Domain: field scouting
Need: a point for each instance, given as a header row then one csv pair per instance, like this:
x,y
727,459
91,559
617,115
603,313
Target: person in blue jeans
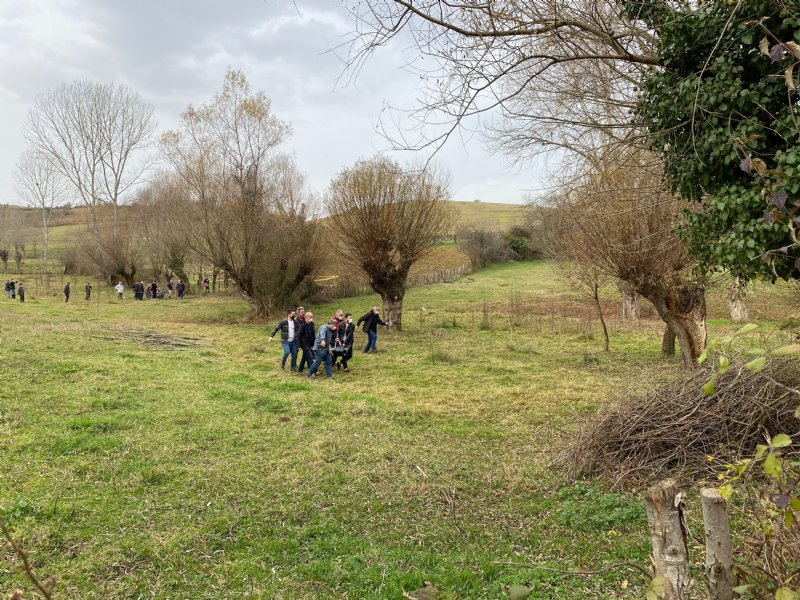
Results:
x,y
288,329
371,321
322,349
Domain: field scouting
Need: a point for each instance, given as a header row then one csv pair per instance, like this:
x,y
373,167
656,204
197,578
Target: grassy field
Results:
x,y
138,472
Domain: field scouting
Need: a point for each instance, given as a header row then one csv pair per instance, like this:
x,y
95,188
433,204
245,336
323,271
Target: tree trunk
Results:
x,y
668,342
602,320
683,309
393,310
736,297
664,508
719,551
630,301
46,246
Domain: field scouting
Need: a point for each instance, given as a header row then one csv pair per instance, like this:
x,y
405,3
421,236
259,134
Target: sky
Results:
x,y
176,52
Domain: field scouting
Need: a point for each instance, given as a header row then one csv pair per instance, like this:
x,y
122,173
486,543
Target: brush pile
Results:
x,y
679,430
153,340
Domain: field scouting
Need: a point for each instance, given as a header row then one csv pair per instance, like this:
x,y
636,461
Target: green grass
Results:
x,y
136,472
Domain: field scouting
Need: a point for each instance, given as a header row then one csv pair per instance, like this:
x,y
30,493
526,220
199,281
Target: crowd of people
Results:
x,y
15,289
152,290
331,344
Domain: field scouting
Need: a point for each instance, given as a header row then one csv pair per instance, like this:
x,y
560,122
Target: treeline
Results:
x,y
222,194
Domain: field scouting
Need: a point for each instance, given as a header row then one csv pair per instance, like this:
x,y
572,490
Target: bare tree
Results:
x,y
386,219
244,200
43,188
625,218
573,258
94,134
552,70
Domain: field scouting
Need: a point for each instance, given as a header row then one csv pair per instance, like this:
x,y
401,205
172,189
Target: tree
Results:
x,y
722,111
551,70
247,209
386,219
93,134
622,220
43,188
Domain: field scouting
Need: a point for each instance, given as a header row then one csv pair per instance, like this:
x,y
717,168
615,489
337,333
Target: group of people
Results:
x,y
15,289
152,290
332,343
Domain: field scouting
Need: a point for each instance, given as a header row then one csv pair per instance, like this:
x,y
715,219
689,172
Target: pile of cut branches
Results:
x,y
153,340
678,429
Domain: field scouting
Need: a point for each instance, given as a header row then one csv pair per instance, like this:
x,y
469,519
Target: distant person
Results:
x,y
169,288
181,289
8,288
322,349
120,288
288,328
13,287
305,340
21,292
371,321
346,338
67,290
206,285
88,289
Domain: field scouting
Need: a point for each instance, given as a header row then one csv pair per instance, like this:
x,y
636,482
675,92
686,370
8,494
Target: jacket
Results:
x,y
284,327
371,321
347,332
323,334
305,335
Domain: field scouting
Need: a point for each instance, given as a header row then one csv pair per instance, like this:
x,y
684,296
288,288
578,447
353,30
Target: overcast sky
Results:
x,y
176,52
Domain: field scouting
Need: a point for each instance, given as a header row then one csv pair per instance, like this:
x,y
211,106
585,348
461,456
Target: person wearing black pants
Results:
x,y
306,336
347,332
21,292
66,293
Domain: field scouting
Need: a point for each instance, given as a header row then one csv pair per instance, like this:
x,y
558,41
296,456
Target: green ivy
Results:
x,y
721,114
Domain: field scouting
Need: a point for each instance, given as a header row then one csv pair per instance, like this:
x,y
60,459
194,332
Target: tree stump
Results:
x,y
719,551
664,506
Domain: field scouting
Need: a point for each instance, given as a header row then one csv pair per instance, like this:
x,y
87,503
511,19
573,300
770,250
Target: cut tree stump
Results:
x,y
719,551
664,506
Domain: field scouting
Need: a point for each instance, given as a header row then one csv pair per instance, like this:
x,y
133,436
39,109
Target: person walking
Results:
x,y
347,332
288,328
13,288
181,289
88,289
67,290
322,349
21,292
169,288
120,288
305,339
371,321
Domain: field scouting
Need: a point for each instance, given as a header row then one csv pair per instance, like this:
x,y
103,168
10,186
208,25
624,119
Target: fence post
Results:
x,y
719,550
664,506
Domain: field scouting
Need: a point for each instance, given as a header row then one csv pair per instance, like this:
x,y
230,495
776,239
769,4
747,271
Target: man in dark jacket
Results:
x,y
66,293
21,292
305,339
288,329
88,289
371,321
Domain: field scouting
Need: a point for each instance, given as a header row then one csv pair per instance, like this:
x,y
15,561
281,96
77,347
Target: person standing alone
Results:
x,y
21,292
88,289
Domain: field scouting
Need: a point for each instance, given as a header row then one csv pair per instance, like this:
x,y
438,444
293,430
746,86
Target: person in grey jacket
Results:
x,y
322,349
